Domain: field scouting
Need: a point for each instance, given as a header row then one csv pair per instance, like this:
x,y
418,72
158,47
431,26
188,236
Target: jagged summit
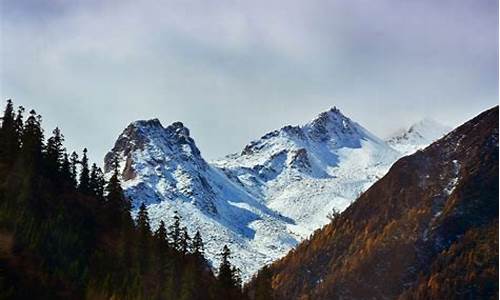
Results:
x,y
330,128
173,140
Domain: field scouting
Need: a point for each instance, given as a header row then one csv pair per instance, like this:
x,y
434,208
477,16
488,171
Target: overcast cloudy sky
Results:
x,y
233,70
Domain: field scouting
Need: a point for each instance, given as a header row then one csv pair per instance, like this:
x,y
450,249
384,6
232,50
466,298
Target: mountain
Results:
x,y
417,136
427,230
262,201
304,171
163,168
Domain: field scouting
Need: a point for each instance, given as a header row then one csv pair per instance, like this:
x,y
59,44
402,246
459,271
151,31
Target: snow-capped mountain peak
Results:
x,y
418,136
331,124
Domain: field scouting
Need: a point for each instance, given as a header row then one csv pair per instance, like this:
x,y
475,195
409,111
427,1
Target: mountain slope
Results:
x,y
428,229
263,201
327,161
418,136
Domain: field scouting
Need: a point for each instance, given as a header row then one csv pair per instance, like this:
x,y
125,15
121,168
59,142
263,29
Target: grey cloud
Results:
x,y
232,70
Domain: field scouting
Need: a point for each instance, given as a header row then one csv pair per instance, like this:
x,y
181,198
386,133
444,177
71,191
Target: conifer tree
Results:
x,y
144,238
228,278
143,220
97,182
118,205
8,137
84,184
161,232
175,232
19,124
32,141
197,245
164,262
74,168
66,167
54,152
185,241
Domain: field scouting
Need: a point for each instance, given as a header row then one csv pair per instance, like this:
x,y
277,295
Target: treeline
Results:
x,y
67,233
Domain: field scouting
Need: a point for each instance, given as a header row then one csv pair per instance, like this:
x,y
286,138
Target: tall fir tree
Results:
x,y
185,241
74,168
143,220
228,279
65,167
97,182
19,124
144,238
8,136
84,182
54,153
175,232
161,234
32,141
118,205
197,245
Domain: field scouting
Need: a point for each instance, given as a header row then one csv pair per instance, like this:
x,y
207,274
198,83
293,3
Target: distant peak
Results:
x,y
428,124
418,135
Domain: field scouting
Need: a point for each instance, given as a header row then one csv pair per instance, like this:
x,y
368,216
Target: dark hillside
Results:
x,y
426,230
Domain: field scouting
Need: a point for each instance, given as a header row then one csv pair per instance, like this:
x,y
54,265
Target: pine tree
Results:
x,y
97,182
185,241
118,205
8,136
65,167
143,220
164,263
54,153
32,141
84,184
144,238
175,232
74,168
160,236
19,124
197,246
228,279
30,166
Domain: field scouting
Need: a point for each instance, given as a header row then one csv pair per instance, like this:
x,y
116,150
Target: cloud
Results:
x,y
232,70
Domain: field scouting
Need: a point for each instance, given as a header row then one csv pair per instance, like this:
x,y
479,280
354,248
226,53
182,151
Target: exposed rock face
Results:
x,y
150,154
427,230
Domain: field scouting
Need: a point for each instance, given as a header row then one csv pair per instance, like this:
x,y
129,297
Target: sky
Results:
x,y
233,70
